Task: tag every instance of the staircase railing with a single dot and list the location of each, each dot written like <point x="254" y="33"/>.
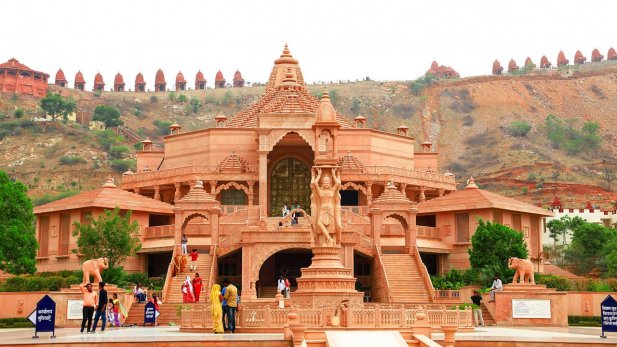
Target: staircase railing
<point x="385" y="284"/>
<point x="170" y="273"/>
<point x="214" y="249"/>
<point x="424" y="272"/>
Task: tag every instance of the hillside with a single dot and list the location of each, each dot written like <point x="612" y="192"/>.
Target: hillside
<point x="466" y="119"/>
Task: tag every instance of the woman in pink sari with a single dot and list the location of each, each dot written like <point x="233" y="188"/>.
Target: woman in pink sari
<point x="187" y="291"/>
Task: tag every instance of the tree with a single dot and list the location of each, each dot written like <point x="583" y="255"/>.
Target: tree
<point x="590" y="243"/>
<point x="608" y="175"/>
<point x="492" y="245"/>
<point x="556" y="228"/>
<point x="18" y="247"/>
<point x="55" y="105"/>
<point x="108" y="115"/>
<point x="519" y="128"/>
<point x="111" y="235"/>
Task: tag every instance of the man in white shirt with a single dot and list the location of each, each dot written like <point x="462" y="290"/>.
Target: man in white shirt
<point x="497" y="287"/>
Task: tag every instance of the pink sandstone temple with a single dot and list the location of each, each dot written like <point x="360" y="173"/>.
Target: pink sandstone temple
<point x="399" y="217"/>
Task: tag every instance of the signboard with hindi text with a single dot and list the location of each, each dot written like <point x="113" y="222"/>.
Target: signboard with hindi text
<point x="527" y="308"/>
<point x="608" y="309"/>
<point x="44" y="316"/>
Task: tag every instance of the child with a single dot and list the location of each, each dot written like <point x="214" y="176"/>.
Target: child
<point x="194" y="256"/>
<point x="117" y="313"/>
<point x="110" y="312"/>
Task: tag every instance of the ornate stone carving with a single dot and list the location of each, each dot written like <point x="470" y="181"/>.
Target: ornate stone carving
<point x="231" y="184"/>
<point x="326" y="206"/>
<point x="524" y="270"/>
<point x="354" y="187"/>
<point x="94" y="267"/>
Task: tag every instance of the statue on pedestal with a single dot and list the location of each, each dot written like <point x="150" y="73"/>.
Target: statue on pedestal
<point x="94" y="267"/>
<point x="326" y="207"/>
<point x="524" y="270"/>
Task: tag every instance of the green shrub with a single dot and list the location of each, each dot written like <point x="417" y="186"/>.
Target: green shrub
<point x="18" y="113"/>
<point x="182" y="98"/>
<point x="599" y="286"/>
<point x="171" y="96"/>
<point x="585" y="321"/>
<point x="455" y="279"/>
<point x="47" y="198"/>
<point x="524" y="190"/>
<point x="72" y="160"/>
<point x="162" y="126"/>
<point x="138" y="277"/>
<point x="116" y="152"/>
<point x="107" y="138"/>
<point x="154" y="99"/>
<point x="122" y="165"/>
<point x="553" y="281"/>
<point x="519" y="128"/>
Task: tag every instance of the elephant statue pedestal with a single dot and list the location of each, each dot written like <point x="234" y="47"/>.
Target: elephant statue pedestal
<point x="525" y="304"/>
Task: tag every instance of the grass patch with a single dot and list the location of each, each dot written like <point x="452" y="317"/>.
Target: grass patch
<point x="47" y="198"/>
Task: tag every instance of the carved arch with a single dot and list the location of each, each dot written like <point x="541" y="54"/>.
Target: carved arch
<point x="186" y="219"/>
<point x="232" y="184"/>
<point x="400" y="218"/>
<point x="275" y="136"/>
<point x="262" y="253"/>
<point x="354" y="187"/>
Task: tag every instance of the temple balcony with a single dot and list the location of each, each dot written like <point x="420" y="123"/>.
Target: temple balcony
<point x="401" y="175"/>
<point x="185" y="174"/>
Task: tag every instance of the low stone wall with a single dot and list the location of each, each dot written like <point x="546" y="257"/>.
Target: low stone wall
<point x="586" y="303"/>
<point x="21" y="304"/>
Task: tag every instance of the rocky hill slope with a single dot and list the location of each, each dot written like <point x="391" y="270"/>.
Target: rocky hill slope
<point x="468" y="120"/>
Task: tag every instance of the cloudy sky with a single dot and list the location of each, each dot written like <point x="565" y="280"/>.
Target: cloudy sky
<point x="386" y="40"/>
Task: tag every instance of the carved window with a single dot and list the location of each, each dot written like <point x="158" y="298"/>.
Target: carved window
<point x="65" y="234"/>
<point x="233" y="197"/>
<point x="290" y="184"/>
<point x="462" y="227"/>
<point x="43" y="235"/>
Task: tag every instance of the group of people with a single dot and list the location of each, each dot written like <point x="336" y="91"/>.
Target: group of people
<point x="285" y="210"/>
<point x="476" y="298"/>
<point x="98" y="304"/>
<point x="191" y="289"/>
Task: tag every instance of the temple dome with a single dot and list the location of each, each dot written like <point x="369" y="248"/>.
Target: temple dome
<point x="561" y="59"/>
<point x="512" y="66"/>
<point x="219" y="77"/>
<point x="579" y="58"/>
<point x="180" y="78"/>
<point x="98" y="78"/>
<point x="139" y="78"/>
<point x="79" y="77"/>
<point x="391" y="195"/>
<point x="596" y="56"/>
<point x="160" y="77"/>
<point x="611" y="55"/>
<point x="238" y="76"/>
<point x="198" y="194"/>
<point x="118" y="79"/>
<point x="60" y="76"/>
<point x="544" y="63"/>
<point x="232" y="163"/>
<point x="200" y="76"/>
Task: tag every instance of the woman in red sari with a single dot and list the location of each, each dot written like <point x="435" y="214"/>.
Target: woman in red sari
<point x="197" y="284"/>
<point x="187" y="291"/>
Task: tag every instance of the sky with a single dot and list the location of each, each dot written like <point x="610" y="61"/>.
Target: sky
<point x="333" y="40"/>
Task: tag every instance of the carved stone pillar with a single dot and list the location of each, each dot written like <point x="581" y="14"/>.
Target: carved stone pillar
<point x="402" y="187"/>
<point x="157" y="193"/>
<point x="369" y="192"/>
<point x="422" y="197"/>
<point x="177" y="192"/>
<point x="263" y="183"/>
<point x="377" y="219"/>
<point x="248" y="282"/>
<point x="213" y="188"/>
<point x="136" y="190"/>
<point x="251" y="184"/>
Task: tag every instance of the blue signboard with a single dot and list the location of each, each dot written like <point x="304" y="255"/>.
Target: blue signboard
<point x="608" y="309"/>
<point x="44" y="317"/>
<point x="150" y="313"/>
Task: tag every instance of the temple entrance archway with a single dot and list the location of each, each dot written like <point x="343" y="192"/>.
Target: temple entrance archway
<point x="289" y="175"/>
<point x="287" y="263"/>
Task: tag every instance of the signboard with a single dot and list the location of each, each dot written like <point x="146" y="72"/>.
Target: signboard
<point x="150" y="313"/>
<point x="44" y="317"/>
<point x="608" y="310"/>
<point x="523" y="308"/>
<point x="74" y="309"/>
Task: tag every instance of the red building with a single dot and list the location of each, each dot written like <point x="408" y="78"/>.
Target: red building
<point x="512" y="67"/>
<point x="159" y="81"/>
<point x="238" y="80"/>
<point x="497" y="68"/>
<point x="611" y="55"/>
<point x="596" y="56"/>
<point x="180" y="81"/>
<point x="219" y="80"/>
<point x="16" y="77"/>
<point x="561" y="59"/>
<point x="544" y="63"/>
<point x="140" y="83"/>
<point x="441" y="71"/>
<point x="98" y="83"/>
<point x="119" y="83"/>
<point x="579" y="58"/>
<point x="61" y="80"/>
<point x="200" y="81"/>
<point x="80" y="82"/>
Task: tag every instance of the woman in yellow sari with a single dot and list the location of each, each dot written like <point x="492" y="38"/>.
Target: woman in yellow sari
<point x="217" y="309"/>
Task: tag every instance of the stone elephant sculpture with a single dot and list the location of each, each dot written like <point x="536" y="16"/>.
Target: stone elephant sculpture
<point x="94" y="267"/>
<point x="524" y="270"/>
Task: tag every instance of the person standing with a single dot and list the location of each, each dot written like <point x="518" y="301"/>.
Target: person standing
<point x="496" y="287"/>
<point x="184" y="242"/>
<point x="118" y="309"/>
<point x="156" y="303"/>
<point x="187" y="291"/>
<point x="89" y="299"/>
<point x="197" y="285"/>
<point x="100" y="308"/>
<point x="280" y="285"/>
<point x="216" y="309"/>
<point x="194" y="256"/>
<point x="225" y="308"/>
<point x="110" y="312"/>
<point x="476" y="298"/>
<point x="287" y="287"/>
<point x="231" y="295"/>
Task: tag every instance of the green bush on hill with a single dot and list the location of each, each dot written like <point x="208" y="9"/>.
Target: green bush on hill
<point x="122" y="165"/>
<point x="72" y="160"/>
<point x="47" y="198"/>
<point x="519" y="128"/>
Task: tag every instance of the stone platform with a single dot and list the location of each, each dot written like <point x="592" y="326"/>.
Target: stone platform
<point x="518" y="305"/>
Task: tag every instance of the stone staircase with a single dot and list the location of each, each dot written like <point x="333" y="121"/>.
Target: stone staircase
<point x="487" y="316"/>
<point x="173" y="299"/>
<point x="406" y="282"/>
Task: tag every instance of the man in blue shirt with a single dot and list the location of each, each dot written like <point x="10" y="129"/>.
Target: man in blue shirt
<point x="225" y="308"/>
